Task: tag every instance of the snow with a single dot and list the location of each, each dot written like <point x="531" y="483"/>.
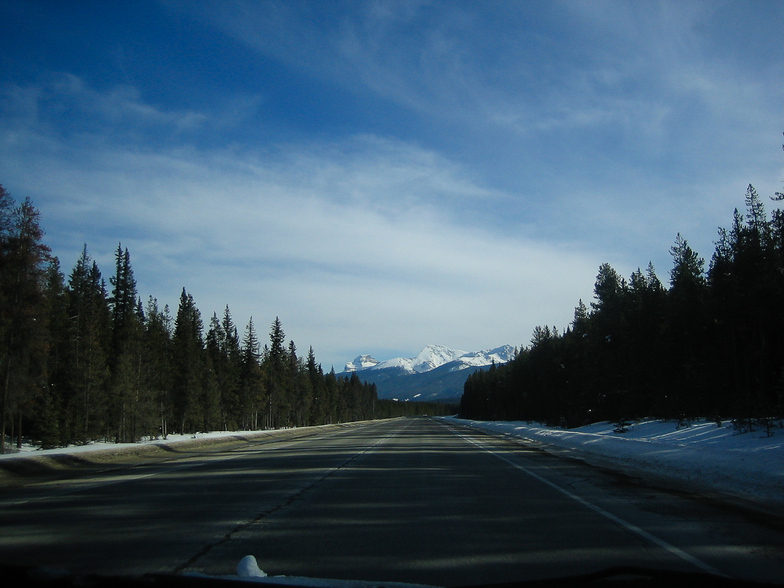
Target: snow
<point x="248" y="570"/>
<point x="702" y="456"/>
<point x="361" y="362"/>
<point x="432" y="357"/>
<point x="31" y="450"/>
<point x="486" y="357"/>
<point x="403" y="363"/>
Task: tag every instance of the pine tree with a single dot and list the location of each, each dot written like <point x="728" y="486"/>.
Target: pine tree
<point x="687" y="334"/>
<point x="744" y="287"/>
<point x="86" y="394"/>
<point x="253" y="404"/>
<point x="232" y="350"/>
<point x="130" y="400"/>
<point x="226" y="358"/>
<point x="50" y="410"/>
<point x="277" y="351"/>
<point x="157" y="366"/>
<point x="123" y="303"/>
<point x="318" y="413"/>
<point x="188" y="366"/>
<point x="331" y="394"/>
<point x="275" y="369"/>
<point x="610" y="342"/>
<point x="580" y="321"/>
<point x="23" y="263"/>
<point x="213" y="347"/>
<point x="301" y="390"/>
<point x="687" y="276"/>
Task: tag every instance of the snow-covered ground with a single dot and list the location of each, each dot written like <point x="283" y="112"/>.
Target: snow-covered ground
<point x="33" y="451"/>
<point x="704" y="456"/>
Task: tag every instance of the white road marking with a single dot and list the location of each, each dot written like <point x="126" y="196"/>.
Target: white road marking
<point x="617" y="520"/>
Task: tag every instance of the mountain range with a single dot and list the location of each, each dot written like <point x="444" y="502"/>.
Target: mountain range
<point x="437" y="373"/>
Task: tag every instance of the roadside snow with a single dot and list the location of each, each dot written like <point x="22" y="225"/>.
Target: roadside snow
<point x="704" y="456"/>
<point x="29" y="450"/>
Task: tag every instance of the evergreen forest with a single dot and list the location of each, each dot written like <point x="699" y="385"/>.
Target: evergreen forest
<point x="82" y="360"/>
<point x="710" y="345"/>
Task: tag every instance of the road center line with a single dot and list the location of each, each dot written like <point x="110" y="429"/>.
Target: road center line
<point x="617" y="520"/>
<point x="285" y="502"/>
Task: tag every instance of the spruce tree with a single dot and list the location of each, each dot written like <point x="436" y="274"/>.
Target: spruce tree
<point x="275" y="369"/>
<point x="157" y="365"/>
<point x="229" y="377"/>
<point x="188" y="366"/>
<point x="86" y="396"/>
<point x="130" y="399"/>
<point x="123" y="303"/>
<point x="318" y="413"/>
<point x="253" y="404"/>
<point x="687" y="334"/>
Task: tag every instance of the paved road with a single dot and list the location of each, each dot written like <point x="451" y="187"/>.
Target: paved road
<point x="414" y="500"/>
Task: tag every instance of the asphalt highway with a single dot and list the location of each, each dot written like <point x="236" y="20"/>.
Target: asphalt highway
<point x="407" y="500"/>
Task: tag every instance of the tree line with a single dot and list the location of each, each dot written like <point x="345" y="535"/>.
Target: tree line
<point x="83" y="360"/>
<point x="710" y="345"/>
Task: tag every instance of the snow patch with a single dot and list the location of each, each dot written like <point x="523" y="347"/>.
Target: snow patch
<point x="249" y="568"/>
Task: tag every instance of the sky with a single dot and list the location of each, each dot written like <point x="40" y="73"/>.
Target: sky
<point x="386" y="175"/>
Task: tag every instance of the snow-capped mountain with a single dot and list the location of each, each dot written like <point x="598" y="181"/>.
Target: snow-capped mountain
<point x="361" y="362"/>
<point x="432" y="357"/>
<point x="436" y="373"/>
<point x="488" y="356"/>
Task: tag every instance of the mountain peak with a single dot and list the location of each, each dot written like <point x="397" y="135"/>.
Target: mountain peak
<point x="361" y="362"/>
<point x="434" y="356"/>
<point x="435" y="373"/>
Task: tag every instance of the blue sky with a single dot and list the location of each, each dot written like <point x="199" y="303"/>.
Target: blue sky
<point x="385" y="175"/>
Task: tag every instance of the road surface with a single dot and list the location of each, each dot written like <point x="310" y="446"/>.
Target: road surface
<point x="409" y="500"/>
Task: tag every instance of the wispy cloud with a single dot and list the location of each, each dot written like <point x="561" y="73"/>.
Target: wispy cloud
<point x="369" y="234"/>
<point x="66" y="105"/>
<point x="637" y="85"/>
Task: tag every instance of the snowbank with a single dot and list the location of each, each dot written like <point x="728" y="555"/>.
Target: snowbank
<point x="29" y="450"/>
<point x="704" y="456"/>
